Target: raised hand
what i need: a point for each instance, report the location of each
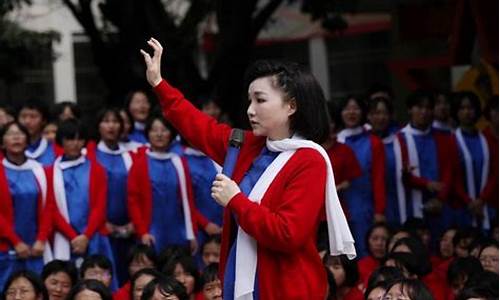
(153, 64)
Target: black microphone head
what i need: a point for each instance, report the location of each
(236, 138)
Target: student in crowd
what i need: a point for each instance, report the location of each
(459, 271)
(160, 193)
(376, 292)
(411, 289)
(127, 129)
(7, 115)
(211, 286)
(397, 234)
(139, 107)
(34, 116)
(366, 197)
(488, 255)
(65, 110)
(59, 277)
(49, 131)
(79, 188)
(164, 288)
(97, 267)
(210, 250)
(284, 100)
(443, 120)
(462, 241)
(383, 274)
(24, 285)
(346, 276)
(117, 161)
(137, 283)
(376, 241)
(25, 218)
(183, 269)
(90, 289)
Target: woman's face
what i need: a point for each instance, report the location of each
(268, 112)
(140, 283)
(73, 147)
(421, 114)
(88, 295)
(351, 114)
(32, 119)
(21, 289)
(379, 117)
(127, 125)
(138, 263)
(50, 131)
(377, 242)
(159, 136)
(338, 272)
(58, 285)
(14, 140)
(466, 113)
(446, 244)
(441, 109)
(211, 253)
(109, 128)
(489, 259)
(185, 278)
(376, 294)
(139, 107)
(396, 292)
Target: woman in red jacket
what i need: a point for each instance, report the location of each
(281, 182)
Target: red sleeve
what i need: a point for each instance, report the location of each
(135, 198)
(378, 174)
(287, 226)
(7, 231)
(6, 228)
(409, 179)
(98, 192)
(202, 131)
(352, 168)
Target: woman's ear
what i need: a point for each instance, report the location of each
(292, 106)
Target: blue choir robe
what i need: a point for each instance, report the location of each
(137, 134)
(42, 151)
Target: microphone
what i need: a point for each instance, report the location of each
(235, 142)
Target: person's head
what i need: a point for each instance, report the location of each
(211, 108)
(379, 90)
(210, 251)
(97, 267)
(491, 111)
(463, 239)
(352, 112)
(418, 227)
(488, 256)
(485, 280)
(466, 108)
(140, 279)
(7, 115)
(384, 274)
(138, 105)
(65, 110)
(420, 106)
(164, 288)
(376, 239)
(460, 270)
(285, 99)
(127, 122)
(109, 125)
(417, 249)
(397, 235)
(71, 136)
(477, 293)
(210, 283)
(446, 243)
(59, 277)
(49, 131)
(90, 289)
(345, 271)
(376, 292)
(170, 254)
(411, 289)
(140, 257)
(407, 264)
(442, 107)
(379, 115)
(184, 270)
(33, 115)
(159, 133)
(14, 139)
(24, 285)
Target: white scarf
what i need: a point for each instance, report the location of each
(181, 175)
(41, 179)
(341, 241)
(348, 132)
(194, 152)
(400, 188)
(122, 150)
(39, 150)
(62, 247)
(416, 195)
(469, 170)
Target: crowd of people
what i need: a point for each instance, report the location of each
(123, 209)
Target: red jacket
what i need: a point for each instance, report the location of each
(140, 195)
(97, 203)
(7, 229)
(284, 224)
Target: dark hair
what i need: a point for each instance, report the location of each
(372, 229)
(466, 233)
(359, 102)
(106, 111)
(350, 267)
(32, 277)
(463, 267)
(477, 293)
(189, 266)
(415, 288)
(380, 284)
(161, 118)
(380, 87)
(420, 97)
(214, 238)
(7, 126)
(151, 272)
(170, 254)
(456, 103)
(59, 108)
(491, 105)
(485, 280)
(488, 243)
(405, 262)
(57, 266)
(373, 103)
(140, 250)
(332, 286)
(418, 250)
(413, 225)
(92, 285)
(209, 274)
(310, 120)
(38, 105)
(70, 129)
(166, 285)
(384, 274)
(95, 260)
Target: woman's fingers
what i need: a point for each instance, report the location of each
(147, 57)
